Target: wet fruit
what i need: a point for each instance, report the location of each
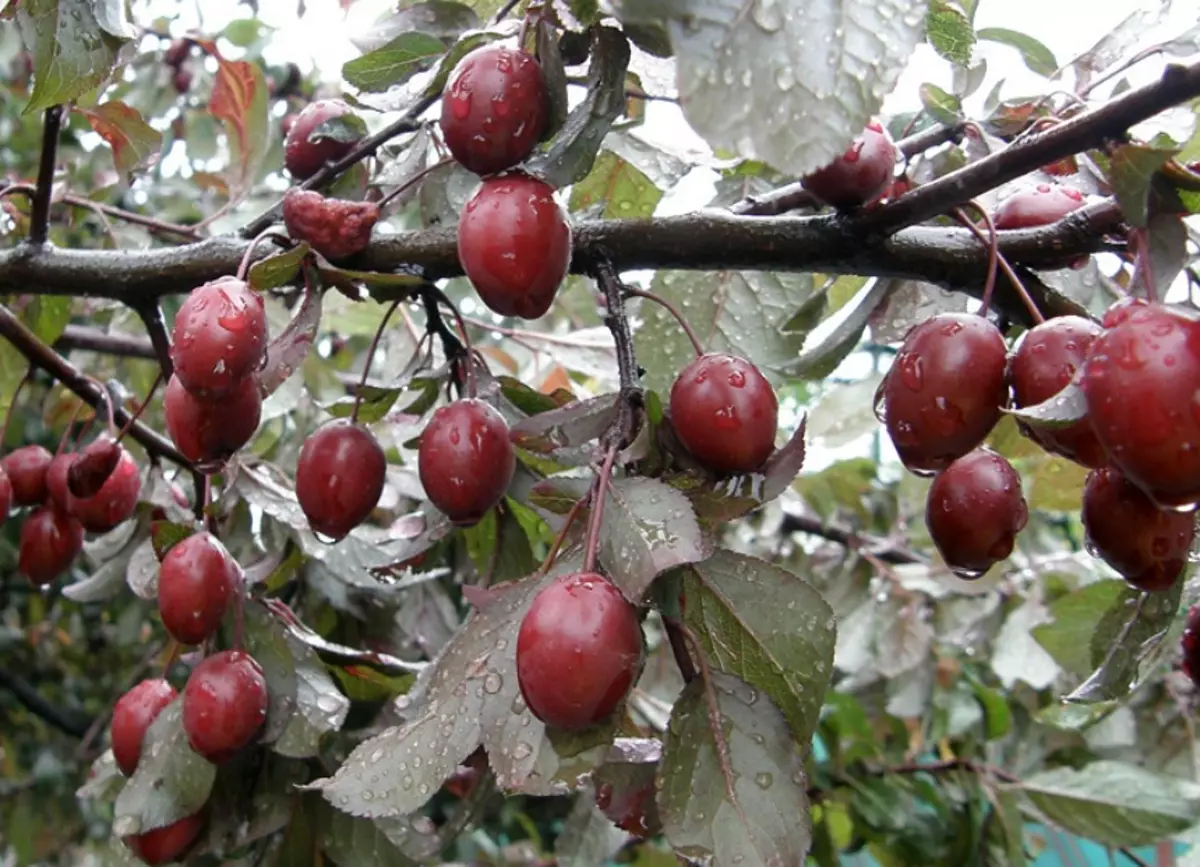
(1037, 205)
(579, 651)
(224, 704)
(335, 228)
(220, 337)
(167, 844)
(206, 432)
(514, 243)
(860, 174)
(1147, 545)
(339, 477)
(132, 716)
(1142, 384)
(944, 391)
(725, 413)
(974, 511)
(114, 502)
(26, 468)
(6, 495)
(1122, 310)
(465, 460)
(305, 154)
(1044, 364)
(93, 466)
(50, 542)
(494, 108)
(197, 579)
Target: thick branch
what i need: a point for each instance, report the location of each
(39, 221)
(38, 353)
(23, 691)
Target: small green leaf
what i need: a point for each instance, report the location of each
(949, 32)
(1037, 56)
(944, 107)
(165, 535)
(528, 400)
(394, 63)
(1131, 171)
(278, 270)
(47, 316)
(73, 49)
(375, 404)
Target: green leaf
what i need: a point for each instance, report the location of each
(47, 316)
(1115, 804)
(394, 63)
(1130, 172)
(267, 641)
(376, 403)
(278, 270)
(1068, 637)
(942, 106)
(457, 52)
(171, 781)
(647, 528)
(514, 557)
(75, 46)
(619, 189)
(349, 842)
(1036, 56)
(528, 400)
(165, 535)
(764, 821)
(827, 346)
(1056, 484)
(765, 625)
(949, 32)
(135, 144)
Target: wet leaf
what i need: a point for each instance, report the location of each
(1062, 410)
(75, 46)
(570, 426)
(1075, 617)
(349, 841)
(266, 640)
(949, 31)
(239, 101)
(393, 63)
(765, 821)
(1036, 56)
(320, 706)
(615, 189)
(278, 270)
(165, 535)
(291, 346)
(141, 573)
(828, 345)
(135, 144)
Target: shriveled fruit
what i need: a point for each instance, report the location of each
(224, 704)
(514, 243)
(945, 389)
(974, 511)
(1147, 545)
(92, 467)
(1037, 205)
(197, 579)
(26, 468)
(725, 413)
(132, 716)
(339, 477)
(206, 432)
(335, 228)
(1044, 364)
(114, 502)
(50, 542)
(860, 174)
(494, 108)
(466, 460)
(167, 844)
(1190, 645)
(220, 337)
(579, 650)
(304, 154)
(1142, 384)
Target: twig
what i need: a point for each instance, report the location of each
(670, 308)
(39, 220)
(151, 223)
(23, 691)
(156, 327)
(885, 551)
(994, 253)
(38, 353)
(548, 563)
(417, 178)
(991, 242)
(630, 396)
(452, 347)
(362, 384)
(247, 257)
(597, 516)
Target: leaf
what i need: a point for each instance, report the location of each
(751, 76)
(943, 107)
(457, 52)
(549, 55)
(165, 535)
(618, 188)
(47, 317)
(239, 101)
(278, 270)
(528, 400)
(134, 142)
(1114, 803)
(1167, 250)
(1131, 170)
(441, 18)
(73, 44)
(844, 413)
(171, 781)
(141, 573)
(949, 32)
(784, 464)
(1075, 617)
(1059, 411)
(394, 63)
(291, 346)
(1036, 56)
(350, 842)
(570, 426)
(573, 150)
(266, 640)
(768, 824)
(1055, 484)
(647, 528)
(736, 312)
(588, 837)
(320, 706)
(765, 625)
(827, 346)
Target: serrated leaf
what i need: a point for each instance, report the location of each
(1036, 56)
(320, 706)
(949, 32)
(239, 100)
(135, 144)
(278, 270)
(784, 464)
(573, 150)
(619, 189)
(287, 351)
(766, 822)
(171, 781)
(349, 842)
(267, 641)
(752, 77)
(1061, 410)
(1075, 618)
(647, 528)
(827, 346)
(393, 63)
(588, 837)
(765, 625)
(73, 44)
(1131, 170)
(1114, 803)
(104, 780)
(569, 426)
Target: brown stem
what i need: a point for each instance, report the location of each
(417, 178)
(679, 649)
(670, 308)
(244, 265)
(362, 383)
(597, 516)
(152, 317)
(993, 247)
(39, 220)
(142, 408)
(548, 563)
(1018, 287)
(153, 224)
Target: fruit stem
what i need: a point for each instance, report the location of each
(244, 265)
(1142, 267)
(658, 299)
(142, 408)
(239, 610)
(172, 658)
(454, 348)
(548, 563)
(992, 242)
(1018, 286)
(417, 178)
(12, 405)
(362, 383)
(62, 443)
(601, 488)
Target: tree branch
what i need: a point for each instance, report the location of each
(886, 551)
(151, 315)
(39, 228)
(38, 353)
(95, 340)
(23, 691)
(629, 399)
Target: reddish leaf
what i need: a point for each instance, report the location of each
(239, 100)
(134, 142)
(288, 351)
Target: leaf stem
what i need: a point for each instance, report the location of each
(417, 178)
(548, 563)
(142, 408)
(991, 243)
(600, 490)
(670, 308)
(39, 228)
(244, 265)
(362, 383)
(12, 406)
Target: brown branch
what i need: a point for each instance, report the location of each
(38, 353)
(156, 327)
(39, 220)
(95, 340)
(154, 225)
(886, 551)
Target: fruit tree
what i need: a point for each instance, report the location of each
(560, 432)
